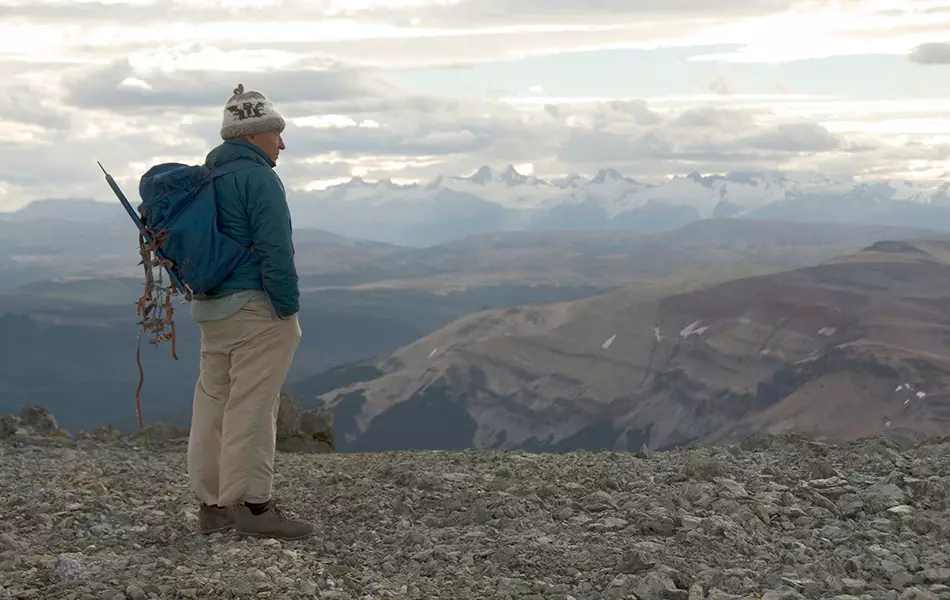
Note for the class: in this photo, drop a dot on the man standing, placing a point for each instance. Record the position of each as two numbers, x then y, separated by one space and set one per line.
249 333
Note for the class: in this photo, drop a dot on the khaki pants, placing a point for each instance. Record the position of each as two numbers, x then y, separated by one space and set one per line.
244 361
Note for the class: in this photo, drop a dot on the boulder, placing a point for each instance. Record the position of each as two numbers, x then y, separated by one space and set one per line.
39 419
9 425
34 421
303 431
106 433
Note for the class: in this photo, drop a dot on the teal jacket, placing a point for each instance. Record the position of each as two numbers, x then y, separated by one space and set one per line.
252 209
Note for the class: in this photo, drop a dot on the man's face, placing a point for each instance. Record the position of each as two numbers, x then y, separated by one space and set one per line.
271 142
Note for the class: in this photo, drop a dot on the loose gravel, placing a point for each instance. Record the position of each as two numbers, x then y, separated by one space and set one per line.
776 518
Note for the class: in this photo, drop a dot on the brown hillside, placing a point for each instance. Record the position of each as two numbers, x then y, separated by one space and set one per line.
851 347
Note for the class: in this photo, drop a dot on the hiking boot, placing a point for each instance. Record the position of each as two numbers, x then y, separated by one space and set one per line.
272 523
212 519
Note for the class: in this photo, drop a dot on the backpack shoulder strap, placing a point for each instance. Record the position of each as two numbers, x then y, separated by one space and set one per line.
234 165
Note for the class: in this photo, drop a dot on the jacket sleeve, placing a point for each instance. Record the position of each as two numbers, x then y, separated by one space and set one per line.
271 232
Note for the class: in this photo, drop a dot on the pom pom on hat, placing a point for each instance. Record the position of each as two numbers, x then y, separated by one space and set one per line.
248 113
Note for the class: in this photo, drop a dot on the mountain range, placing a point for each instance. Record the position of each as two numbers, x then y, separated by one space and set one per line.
492 200
854 346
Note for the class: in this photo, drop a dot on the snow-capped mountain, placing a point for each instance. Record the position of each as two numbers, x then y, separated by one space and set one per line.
451 207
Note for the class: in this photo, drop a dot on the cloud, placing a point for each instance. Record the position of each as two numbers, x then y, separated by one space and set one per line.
119 86
793 137
31 105
465 13
478 12
931 54
456 32
418 132
414 140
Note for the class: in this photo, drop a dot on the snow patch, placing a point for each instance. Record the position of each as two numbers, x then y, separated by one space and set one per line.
434 350
906 386
656 334
610 341
826 331
694 329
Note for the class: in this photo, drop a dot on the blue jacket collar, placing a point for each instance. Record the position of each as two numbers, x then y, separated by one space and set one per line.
233 150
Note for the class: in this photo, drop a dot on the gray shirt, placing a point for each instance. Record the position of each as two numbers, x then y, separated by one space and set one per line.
214 309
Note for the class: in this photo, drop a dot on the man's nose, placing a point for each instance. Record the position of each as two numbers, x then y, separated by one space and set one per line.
280 142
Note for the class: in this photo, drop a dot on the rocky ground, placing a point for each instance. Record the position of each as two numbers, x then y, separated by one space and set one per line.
776 518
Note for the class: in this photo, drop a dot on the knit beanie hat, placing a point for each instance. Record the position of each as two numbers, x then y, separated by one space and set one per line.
248 113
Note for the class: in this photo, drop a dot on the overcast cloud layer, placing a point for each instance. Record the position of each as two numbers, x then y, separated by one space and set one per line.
411 89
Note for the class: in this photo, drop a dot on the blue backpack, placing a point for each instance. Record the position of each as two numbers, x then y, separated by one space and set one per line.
179 209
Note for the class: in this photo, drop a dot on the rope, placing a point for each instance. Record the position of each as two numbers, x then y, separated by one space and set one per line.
154 307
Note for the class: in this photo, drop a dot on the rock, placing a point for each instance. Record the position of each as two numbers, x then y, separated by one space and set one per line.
882 496
32 422
937 575
636 561
318 424
782 595
614 524
757 442
288 416
303 432
853 586
39 419
901 510
106 433
9 425
732 488
655 586
915 593
72 567
703 468
901 580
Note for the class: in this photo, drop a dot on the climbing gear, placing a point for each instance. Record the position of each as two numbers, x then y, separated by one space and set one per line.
178 233
154 307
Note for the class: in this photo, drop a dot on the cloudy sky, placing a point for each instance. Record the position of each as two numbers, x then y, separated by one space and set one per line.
410 89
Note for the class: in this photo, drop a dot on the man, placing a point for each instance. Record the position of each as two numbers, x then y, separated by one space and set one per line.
249 334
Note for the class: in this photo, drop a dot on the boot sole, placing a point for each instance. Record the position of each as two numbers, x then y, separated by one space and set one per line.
218 530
